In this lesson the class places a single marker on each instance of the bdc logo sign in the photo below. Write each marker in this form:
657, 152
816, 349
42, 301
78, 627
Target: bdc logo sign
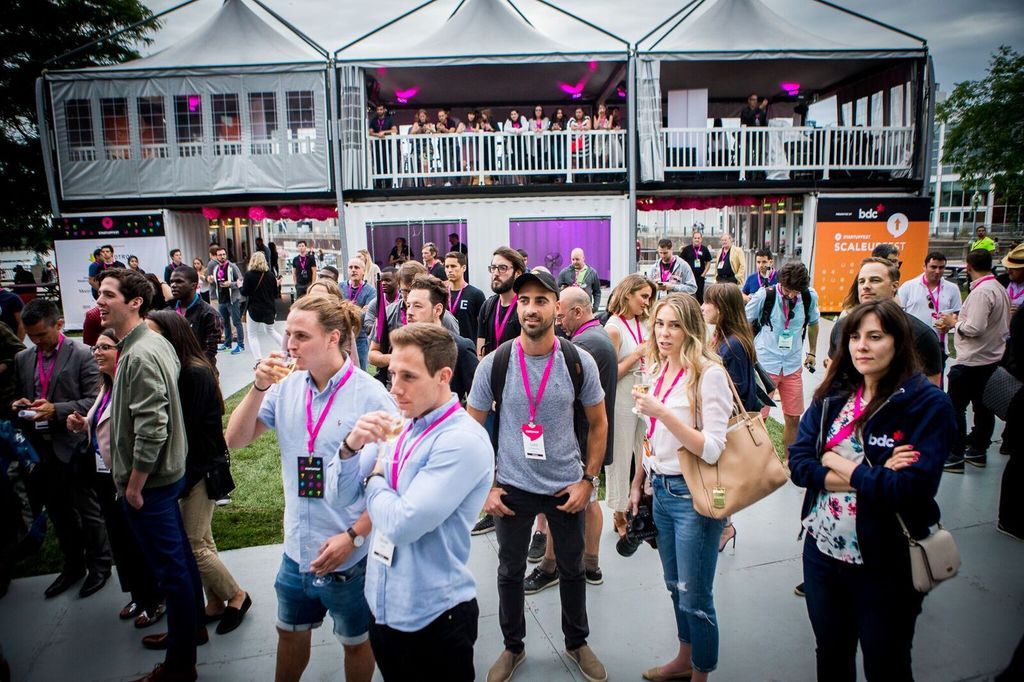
869, 214
882, 441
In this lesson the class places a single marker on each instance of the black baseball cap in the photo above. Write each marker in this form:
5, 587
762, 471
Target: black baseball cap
540, 277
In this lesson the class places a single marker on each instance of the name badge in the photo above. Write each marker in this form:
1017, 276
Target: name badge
696, 264
101, 468
533, 441
785, 340
311, 477
382, 550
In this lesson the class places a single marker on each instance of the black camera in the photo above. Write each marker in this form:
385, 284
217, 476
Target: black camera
639, 529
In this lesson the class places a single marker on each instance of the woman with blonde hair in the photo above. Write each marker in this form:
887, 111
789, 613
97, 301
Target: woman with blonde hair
260, 287
371, 270
687, 413
627, 328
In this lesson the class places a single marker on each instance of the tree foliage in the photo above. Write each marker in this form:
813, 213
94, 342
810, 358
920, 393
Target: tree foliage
31, 33
985, 127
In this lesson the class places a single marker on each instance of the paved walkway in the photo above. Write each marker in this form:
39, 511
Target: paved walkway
968, 629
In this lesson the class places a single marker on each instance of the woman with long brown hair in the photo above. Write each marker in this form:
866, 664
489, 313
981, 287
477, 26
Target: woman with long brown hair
628, 310
207, 469
687, 407
870, 452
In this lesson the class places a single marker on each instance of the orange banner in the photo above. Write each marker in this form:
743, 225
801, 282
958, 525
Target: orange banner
847, 231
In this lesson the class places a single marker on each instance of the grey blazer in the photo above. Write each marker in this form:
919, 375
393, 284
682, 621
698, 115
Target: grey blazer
73, 386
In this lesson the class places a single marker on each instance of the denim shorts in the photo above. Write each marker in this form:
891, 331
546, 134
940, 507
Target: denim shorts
301, 605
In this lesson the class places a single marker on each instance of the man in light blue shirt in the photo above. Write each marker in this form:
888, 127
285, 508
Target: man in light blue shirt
424, 491
311, 409
782, 315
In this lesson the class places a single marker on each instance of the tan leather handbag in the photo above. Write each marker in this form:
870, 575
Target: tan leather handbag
932, 559
748, 470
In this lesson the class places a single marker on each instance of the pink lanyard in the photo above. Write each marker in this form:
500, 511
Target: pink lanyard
452, 305
657, 387
585, 326
44, 375
785, 306
222, 272
666, 274
722, 255
1015, 291
534, 404
639, 336
314, 431
402, 314
765, 282
356, 295
846, 430
974, 285
177, 306
934, 296
400, 460
302, 262
499, 330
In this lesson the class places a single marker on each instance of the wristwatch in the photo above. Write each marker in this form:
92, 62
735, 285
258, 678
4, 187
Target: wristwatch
366, 480
592, 480
345, 452
357, 539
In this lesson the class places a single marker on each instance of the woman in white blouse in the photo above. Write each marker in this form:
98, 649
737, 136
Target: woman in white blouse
690, 387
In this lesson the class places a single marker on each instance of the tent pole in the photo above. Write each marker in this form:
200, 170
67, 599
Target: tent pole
584, 21
868, 19
115, 34
632, 136
44, 140
382, 27
335, 128
306, 39
512, 5
659, 26
676, 25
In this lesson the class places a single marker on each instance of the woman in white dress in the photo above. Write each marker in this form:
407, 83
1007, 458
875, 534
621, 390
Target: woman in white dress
627, 327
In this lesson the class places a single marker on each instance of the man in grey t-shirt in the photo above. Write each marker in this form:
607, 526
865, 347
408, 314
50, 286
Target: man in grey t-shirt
540, 469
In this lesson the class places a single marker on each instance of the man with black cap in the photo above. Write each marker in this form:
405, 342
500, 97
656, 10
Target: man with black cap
535, 381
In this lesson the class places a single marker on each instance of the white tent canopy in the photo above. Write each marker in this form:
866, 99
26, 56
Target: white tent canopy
482, 32
750, 29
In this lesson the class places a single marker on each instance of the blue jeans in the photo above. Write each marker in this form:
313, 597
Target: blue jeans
231, 313
848, 603
363, 350
688, 546
301, 605
159, 530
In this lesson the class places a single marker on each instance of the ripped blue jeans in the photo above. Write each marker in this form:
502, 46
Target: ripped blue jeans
688, 546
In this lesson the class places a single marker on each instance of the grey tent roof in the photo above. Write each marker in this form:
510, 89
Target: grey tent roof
235, 39
482, 32
750, 29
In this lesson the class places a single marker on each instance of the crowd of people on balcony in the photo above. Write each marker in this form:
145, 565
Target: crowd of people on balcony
539, 159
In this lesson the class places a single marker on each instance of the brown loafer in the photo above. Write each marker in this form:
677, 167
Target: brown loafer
656, 675
149, 616
159, 642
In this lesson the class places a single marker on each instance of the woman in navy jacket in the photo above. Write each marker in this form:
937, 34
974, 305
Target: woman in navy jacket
871, 445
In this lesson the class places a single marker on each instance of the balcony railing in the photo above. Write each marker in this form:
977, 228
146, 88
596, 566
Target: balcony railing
484, 158
777, 150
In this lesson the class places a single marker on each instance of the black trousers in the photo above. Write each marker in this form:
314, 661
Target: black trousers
1011, 512
966, 386
76, 515
850, 603
443, 650
133, 573
514, 534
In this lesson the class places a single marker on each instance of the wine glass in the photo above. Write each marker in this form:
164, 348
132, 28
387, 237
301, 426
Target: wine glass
641, 386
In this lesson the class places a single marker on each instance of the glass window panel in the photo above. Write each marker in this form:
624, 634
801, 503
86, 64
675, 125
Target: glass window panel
188, 124
263, 122
81, 140
114, 117
301, 118
152, 127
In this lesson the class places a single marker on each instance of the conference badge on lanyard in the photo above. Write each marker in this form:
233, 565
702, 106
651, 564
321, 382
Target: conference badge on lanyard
533, 433
382, 550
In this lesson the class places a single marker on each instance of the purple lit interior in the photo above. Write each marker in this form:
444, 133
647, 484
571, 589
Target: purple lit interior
550, 242
790, 88
193, 103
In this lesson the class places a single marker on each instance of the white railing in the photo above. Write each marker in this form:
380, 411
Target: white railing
479, 158
777, 150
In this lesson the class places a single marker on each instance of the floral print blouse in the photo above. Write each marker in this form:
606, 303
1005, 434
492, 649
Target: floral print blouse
833, 519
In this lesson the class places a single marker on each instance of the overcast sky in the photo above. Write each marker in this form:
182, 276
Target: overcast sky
961, 34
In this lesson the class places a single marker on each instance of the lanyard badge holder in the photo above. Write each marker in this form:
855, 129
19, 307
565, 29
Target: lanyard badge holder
311, 468
533, 433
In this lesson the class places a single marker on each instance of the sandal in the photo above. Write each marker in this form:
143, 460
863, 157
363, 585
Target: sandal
149, 616
130, 610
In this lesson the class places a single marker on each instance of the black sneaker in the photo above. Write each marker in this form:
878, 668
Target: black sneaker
1000, 528
538, 544
595, 577
484, 525
975, 457
954, 464
539, 580
1004, 448
799, 590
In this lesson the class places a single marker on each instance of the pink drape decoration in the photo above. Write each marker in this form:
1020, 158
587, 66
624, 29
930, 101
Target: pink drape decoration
701, 203
288, 212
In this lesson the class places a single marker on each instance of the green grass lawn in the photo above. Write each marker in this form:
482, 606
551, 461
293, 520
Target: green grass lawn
256, 512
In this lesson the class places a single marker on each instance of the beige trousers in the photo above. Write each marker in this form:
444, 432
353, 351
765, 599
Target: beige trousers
197, 513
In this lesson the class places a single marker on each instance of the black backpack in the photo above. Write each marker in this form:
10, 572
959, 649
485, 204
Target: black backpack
499, 370
770, 295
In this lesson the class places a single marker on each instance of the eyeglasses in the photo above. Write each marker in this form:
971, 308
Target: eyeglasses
103, 348
499, 268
